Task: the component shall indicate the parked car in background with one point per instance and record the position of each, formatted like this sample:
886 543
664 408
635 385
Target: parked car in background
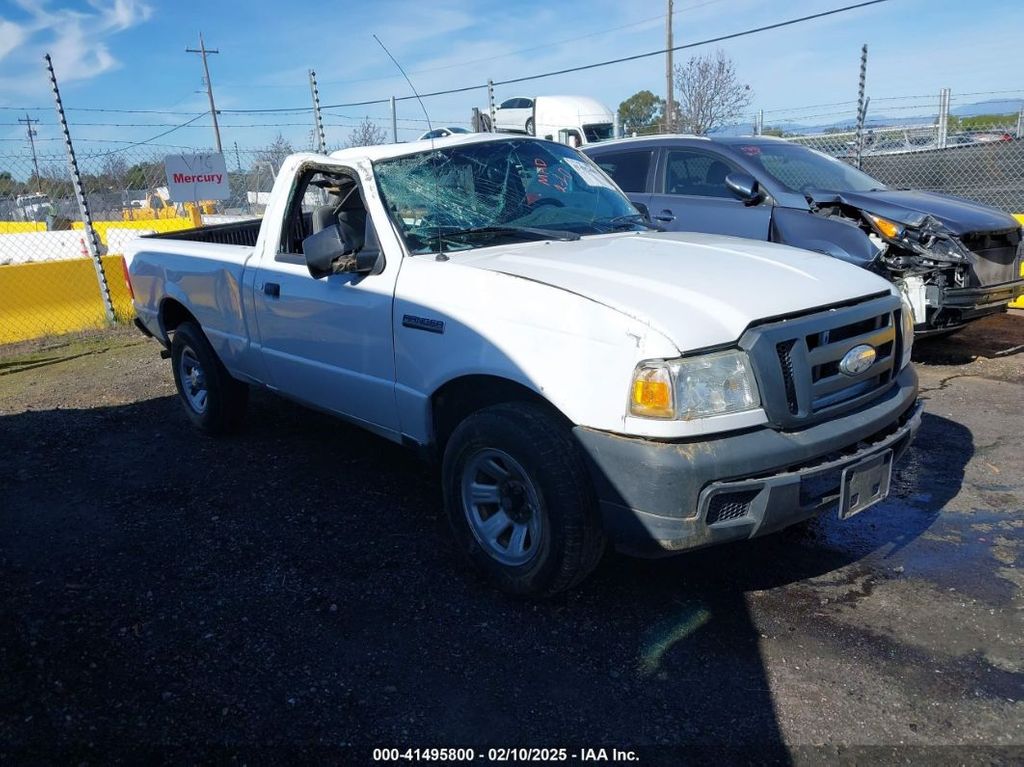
515 114
953 259
443 132
496 303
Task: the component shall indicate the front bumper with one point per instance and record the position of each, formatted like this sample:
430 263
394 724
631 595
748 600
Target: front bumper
959 305
663 497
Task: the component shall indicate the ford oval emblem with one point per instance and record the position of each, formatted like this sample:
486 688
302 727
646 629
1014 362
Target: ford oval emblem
857 360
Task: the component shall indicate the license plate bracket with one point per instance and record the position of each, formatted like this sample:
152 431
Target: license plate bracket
864 484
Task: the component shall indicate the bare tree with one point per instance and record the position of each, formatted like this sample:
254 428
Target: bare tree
275 152
367 133
709 93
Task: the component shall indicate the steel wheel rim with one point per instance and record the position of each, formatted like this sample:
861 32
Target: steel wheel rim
193 380
502 507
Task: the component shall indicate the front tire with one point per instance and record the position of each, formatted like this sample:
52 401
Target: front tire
520 501
213 400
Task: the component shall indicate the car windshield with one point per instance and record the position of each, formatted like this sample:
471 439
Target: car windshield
800 169
472 195
598 132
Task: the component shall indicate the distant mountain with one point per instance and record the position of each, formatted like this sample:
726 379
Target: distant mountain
992 106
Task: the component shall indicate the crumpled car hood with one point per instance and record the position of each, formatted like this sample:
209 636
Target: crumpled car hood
698 290
911 208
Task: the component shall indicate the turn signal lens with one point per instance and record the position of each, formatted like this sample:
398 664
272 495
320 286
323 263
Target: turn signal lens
651 395
885 226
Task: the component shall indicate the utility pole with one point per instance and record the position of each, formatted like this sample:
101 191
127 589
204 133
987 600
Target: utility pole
669 106
29 122
209 85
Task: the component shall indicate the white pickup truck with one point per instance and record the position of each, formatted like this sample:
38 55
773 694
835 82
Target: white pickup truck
497 303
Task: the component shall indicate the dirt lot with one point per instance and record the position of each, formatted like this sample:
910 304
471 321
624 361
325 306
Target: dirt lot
294 586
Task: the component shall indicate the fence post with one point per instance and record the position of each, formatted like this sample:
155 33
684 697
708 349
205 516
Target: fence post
318 121
490 102
861 105
943 131
1020 123
92 242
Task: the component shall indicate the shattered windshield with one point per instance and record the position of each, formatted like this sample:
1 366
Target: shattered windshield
800 169
473 195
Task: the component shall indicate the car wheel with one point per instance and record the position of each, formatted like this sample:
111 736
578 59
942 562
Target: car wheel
213 400
520 501
529 126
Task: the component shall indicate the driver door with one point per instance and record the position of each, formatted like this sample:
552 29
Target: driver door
327 342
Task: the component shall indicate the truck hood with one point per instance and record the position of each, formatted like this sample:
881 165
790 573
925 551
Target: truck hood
911 208
698 290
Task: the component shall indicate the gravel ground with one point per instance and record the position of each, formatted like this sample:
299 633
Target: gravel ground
295 587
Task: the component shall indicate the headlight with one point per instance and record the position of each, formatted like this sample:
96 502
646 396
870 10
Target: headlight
907 317
885 227
694 387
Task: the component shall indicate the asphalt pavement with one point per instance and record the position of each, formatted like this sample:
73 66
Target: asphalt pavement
295 587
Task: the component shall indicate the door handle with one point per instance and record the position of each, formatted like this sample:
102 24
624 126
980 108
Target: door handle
272 289
665 215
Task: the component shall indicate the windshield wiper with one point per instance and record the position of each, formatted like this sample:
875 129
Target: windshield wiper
626 220
522 232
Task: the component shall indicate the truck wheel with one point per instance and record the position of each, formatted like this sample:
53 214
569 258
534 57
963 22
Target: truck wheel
214 401
520 500
529 126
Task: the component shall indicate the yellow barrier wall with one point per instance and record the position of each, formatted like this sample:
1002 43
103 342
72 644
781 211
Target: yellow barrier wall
154 225
57 297
1019 303
21 227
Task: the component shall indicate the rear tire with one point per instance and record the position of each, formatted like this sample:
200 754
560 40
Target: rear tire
213 400
529 126
520 501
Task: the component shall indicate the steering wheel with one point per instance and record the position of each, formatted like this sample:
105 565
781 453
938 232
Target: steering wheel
547 201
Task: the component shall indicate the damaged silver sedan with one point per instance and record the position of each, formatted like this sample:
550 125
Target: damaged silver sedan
954 260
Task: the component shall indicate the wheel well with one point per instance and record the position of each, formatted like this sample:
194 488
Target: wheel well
460 397
172 314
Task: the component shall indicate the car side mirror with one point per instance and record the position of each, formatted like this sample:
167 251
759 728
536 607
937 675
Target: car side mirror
643 210
332 251
745 187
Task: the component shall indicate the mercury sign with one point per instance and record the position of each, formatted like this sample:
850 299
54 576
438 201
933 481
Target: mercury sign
192 177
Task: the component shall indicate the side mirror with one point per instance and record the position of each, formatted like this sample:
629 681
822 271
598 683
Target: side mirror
330 251
643 210
745 187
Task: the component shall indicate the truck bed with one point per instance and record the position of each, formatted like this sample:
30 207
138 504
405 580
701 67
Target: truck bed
235 233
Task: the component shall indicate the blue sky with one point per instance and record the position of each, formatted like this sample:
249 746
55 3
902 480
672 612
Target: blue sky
129 54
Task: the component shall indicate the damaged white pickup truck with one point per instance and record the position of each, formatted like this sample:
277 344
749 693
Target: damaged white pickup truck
497 303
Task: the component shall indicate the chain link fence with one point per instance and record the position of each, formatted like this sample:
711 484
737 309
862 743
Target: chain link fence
985 165
49 281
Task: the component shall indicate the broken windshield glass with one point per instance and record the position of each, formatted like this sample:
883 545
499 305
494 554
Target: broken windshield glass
517 188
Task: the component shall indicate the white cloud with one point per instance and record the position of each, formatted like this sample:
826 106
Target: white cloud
76 40
11 36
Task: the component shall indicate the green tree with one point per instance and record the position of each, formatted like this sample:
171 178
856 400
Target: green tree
641 113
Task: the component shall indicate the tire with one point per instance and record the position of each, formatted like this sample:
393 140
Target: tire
529 126
213 400
517 460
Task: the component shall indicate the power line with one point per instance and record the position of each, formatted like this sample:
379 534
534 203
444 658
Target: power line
582 68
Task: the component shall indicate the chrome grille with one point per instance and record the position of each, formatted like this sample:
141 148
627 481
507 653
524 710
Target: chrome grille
797 360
